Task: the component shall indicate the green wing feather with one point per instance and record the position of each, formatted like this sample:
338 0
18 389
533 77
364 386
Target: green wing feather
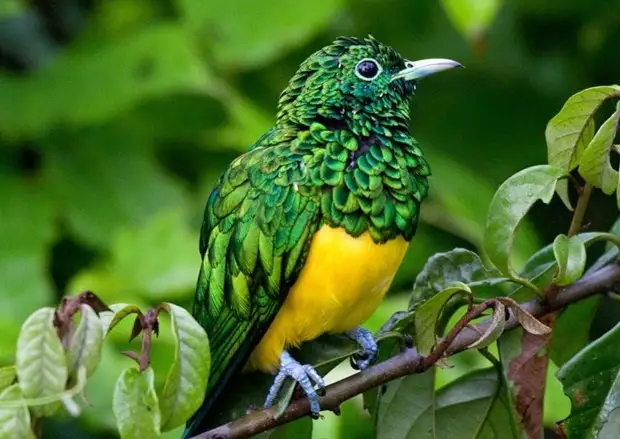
254 239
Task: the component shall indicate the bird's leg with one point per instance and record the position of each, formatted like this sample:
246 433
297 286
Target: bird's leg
303 374
364 338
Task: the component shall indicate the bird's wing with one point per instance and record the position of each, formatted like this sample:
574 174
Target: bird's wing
254 240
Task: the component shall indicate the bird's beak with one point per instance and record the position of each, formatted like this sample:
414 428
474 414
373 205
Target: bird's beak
425 67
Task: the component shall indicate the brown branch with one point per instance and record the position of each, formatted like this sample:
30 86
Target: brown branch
147 325
69 307
409 361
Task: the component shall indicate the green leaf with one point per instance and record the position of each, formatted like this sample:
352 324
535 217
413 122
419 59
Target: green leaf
414 396
85 346
14 421
240 43
571 332
474 406
511 202
41 363
109 319
128 70
8 375
124 178
135 405
570 254
591 379
569 132
572 129
397 322
458 265
186 382
426 315
471 18
595 167
120 311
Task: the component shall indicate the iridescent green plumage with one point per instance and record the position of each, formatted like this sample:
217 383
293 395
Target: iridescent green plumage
341 153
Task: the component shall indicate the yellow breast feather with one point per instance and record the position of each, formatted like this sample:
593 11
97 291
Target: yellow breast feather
341 284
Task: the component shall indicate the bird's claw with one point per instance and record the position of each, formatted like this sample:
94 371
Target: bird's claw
304 375
364 338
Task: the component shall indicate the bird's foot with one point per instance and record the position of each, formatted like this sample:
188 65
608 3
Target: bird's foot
364 338
304 375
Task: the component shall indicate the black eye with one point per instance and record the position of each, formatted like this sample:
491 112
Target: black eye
368 69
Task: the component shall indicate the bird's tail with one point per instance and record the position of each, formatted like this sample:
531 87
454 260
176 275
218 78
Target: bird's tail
227 359
231 340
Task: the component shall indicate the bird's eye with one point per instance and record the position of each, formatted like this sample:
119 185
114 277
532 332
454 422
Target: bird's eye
368 69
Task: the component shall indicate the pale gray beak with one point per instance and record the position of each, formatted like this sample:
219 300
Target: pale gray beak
425 67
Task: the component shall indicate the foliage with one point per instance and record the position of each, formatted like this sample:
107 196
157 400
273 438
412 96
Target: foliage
116 118
52 354
51 349
590 379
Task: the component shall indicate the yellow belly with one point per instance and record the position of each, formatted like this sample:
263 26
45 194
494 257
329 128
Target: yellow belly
341 284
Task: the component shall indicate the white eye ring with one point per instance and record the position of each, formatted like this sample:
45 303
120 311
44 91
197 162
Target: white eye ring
368 66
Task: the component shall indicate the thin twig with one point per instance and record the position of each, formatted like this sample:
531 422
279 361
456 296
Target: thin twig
575 227
408 362
464 322
580 210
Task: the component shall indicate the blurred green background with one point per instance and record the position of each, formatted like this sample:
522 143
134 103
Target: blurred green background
116 117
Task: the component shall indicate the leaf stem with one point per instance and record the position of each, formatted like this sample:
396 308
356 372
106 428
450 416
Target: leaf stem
526 283
49 399
580 210
609 237
574 182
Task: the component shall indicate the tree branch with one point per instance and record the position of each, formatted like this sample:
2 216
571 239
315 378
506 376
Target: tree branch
408 362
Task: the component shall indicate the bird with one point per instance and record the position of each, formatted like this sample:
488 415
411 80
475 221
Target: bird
304 232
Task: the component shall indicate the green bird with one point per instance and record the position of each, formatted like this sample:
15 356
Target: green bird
303 233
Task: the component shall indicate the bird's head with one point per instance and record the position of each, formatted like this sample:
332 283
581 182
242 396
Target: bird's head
354 81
